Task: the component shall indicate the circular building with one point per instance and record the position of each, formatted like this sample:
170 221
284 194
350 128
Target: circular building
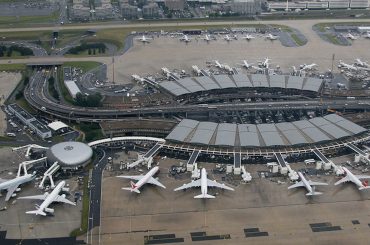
70 155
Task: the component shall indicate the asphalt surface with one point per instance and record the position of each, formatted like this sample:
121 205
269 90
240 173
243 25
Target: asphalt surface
95 190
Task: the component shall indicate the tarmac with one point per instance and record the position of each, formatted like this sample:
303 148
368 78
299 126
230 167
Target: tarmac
24 226
288 217
170 52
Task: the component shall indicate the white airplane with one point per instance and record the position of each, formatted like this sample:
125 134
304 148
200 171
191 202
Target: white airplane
361 63
142 180
265 63
196 70
227 38
308 67
261 69
350 36
207 38
367 35
308 184
144 39
185 38
223 66
12 185
350 177
347 66
48 199
245 64
204 183
248 37
271 37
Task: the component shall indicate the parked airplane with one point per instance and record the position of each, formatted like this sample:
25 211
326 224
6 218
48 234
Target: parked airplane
367 35
261 69
142 180
48 199
185 38
224 66
306 67
207 38
271 37
245 64
350 177
361 63
196 70
144 39
12 185
204 183
265 63
350 36
248 37
227 38
308 184
347 66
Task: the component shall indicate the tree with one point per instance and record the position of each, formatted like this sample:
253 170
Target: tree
26 81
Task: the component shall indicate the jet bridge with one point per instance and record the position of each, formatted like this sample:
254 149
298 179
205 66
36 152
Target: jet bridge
361 155
153 151
285 168
237 163
193 157
328 163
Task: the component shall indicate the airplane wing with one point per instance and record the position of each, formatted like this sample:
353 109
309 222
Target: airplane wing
344 179
156 182
63 199
363 176
195 183
37 197
10 192
134 177
213 183
317 183
299 184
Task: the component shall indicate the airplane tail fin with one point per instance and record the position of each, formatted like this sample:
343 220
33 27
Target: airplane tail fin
314 193
204 196
37 212
131 189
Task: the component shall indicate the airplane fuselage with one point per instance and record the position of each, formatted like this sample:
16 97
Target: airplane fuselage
16 181
145 179
305 182
52 196
353 178
203 181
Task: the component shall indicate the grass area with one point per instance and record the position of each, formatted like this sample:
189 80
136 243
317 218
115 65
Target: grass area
333 39
22 102
297 40
19 20
6 138
85 66
85 211
12 67
67 36
92 131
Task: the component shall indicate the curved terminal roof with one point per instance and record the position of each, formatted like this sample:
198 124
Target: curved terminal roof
316 130
189 85
70 154
56 125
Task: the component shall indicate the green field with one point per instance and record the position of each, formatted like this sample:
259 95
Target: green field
297 40
12 67
85 66
333 39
